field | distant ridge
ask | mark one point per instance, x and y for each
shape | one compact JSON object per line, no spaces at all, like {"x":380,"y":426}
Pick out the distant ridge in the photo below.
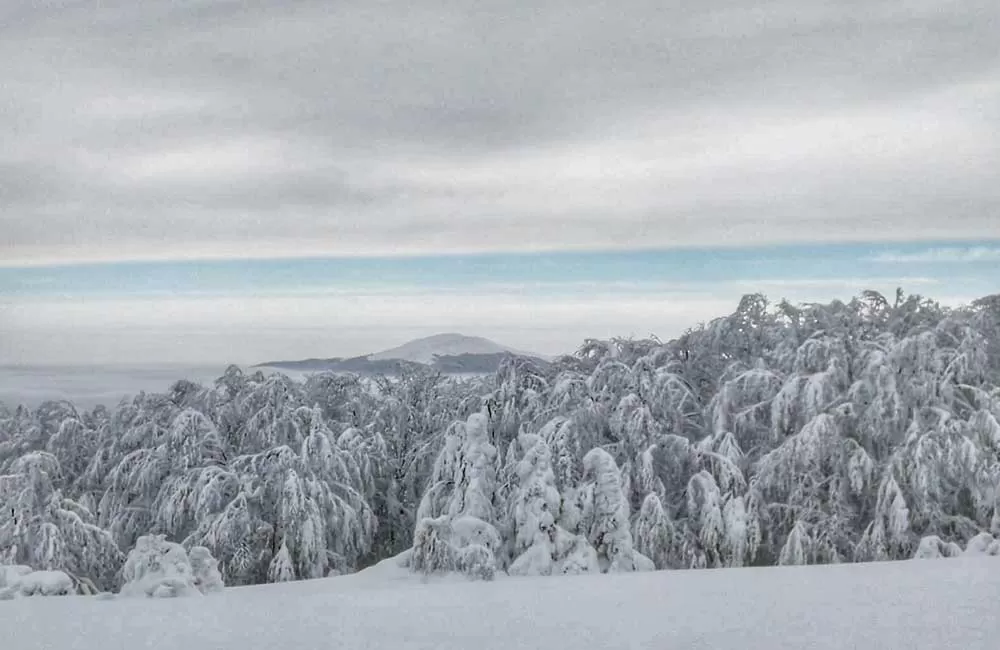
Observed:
{"x":449,"y":353}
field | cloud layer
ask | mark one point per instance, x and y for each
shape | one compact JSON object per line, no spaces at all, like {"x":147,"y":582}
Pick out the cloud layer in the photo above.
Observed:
{"x":950,"y":254}
{"x":147,"y":129}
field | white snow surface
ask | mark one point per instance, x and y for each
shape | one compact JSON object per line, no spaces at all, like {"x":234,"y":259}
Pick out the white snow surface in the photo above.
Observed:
{"x":892,"y":605}
{"x":424,"y":350}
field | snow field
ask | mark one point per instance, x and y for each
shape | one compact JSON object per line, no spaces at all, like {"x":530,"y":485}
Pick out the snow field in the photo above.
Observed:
{"x":940,"y":605}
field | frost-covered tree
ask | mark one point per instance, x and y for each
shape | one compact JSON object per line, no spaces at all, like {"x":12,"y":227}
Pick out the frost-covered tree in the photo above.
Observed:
{"x":41,"y":528}
{"x":540,"y":545}
{"x":535,"y":506}
{"x":281,"y":568}
{"x":705,"y":521}
{"x":743,"y":406}
{"x":888,"y":534}
{"x":655,"y":535}
{"x":849,"y":430}
{"x":605,"y":521}
{"x":459,"y":510}
{"x":521,"y":385}
{"x":794,"y":550}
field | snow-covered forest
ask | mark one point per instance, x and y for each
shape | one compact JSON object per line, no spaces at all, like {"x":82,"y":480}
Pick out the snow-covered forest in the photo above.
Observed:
{"x":779,"y":434}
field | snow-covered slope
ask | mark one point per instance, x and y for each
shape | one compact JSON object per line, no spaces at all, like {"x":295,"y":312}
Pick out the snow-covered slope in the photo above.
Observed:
{"x":424,"y":350}
{"x":915,"y":605}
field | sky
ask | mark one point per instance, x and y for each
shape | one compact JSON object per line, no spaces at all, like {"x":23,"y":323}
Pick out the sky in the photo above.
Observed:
{"x":228,"y":181}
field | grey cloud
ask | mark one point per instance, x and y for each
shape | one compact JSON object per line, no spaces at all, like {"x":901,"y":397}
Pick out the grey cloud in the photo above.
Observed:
{"x":361,"y":94}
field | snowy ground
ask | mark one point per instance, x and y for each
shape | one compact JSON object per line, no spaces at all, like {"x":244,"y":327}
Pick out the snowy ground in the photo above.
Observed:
{"x":933,"y":604}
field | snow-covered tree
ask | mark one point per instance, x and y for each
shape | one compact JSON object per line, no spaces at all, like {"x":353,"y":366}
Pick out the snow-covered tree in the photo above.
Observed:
{"x":705,"y":521}
{"x":458,"y":510}
{"x":777,"y":433}
{"x":536,"y":504}
{"x":541,"y":546}
{"x":281,"y":568}
{"x":794,"y":550}
{"x":41,"y":528}
{"x":655,"y":535}
{"x":606,"y":516}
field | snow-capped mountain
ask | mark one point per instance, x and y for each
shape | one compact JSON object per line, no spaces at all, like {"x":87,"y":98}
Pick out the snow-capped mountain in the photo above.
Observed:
{"x":425,"y":350}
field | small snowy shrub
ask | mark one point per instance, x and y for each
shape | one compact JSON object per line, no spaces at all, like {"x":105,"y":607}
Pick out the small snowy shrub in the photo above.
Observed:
{"x":468,"y":530}
{"x":20,"y":581}
{"x":982,"y":544}
{"x":933,"y":547}
{"x":432,"y":552}
{"x":474,"y":542}
{"x":11,"y":574}
{"x":157,"y":568}
{"x":476,"y":562}
{"x":46,"y":583}
{"x":536,"y":561}
{"x":577,"y":556}
{"x":206,"y":570}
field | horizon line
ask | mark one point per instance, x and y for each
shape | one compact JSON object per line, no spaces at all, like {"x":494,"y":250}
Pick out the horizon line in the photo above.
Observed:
{"x":481,"y":253}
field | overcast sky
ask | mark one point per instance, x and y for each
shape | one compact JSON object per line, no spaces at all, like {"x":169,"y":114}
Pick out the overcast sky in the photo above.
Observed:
{"x":188,"y":130}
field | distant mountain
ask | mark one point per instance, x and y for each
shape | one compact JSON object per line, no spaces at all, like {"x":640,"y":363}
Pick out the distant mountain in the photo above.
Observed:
{"x":425,"y":350}
{"x":359,"y":365}
{"x":452,"y":354}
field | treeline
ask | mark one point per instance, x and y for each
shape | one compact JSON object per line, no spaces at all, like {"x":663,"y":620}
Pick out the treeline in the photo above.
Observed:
{"x":777,"y":434}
